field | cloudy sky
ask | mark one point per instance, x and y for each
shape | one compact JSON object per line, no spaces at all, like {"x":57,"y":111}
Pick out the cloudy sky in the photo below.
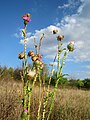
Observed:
{"x":70,"y":17}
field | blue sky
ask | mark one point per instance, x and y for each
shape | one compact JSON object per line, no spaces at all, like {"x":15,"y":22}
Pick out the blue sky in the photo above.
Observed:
{"x":70,"y":17}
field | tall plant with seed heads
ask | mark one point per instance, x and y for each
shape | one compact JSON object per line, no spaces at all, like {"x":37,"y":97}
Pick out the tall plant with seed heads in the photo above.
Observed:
{"x":33,"y":73}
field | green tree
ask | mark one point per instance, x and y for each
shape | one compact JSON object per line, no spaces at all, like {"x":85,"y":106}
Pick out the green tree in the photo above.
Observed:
{"x":16,"y":74}
{"x":80,"y":83}
{"x":87,"y":83}
{"x":11,"y":71}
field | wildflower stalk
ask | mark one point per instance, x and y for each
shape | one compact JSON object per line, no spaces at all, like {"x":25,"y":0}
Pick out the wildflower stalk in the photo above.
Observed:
{"x":40,"y":99}
{"x":40,"y":43}
{"x":29,"y":100}
{"x":57,"y":81}
{"x":23,"y":56}
{"x":47,"y":95}
{"x":40,"y":81}
{"x":51,"y":73}
{"x":63,"y":61}
{"x":59,"y":52}
{"x":37,"y":66}
{"x":25,"y":70}
{"x":29,"y":95}
{"x":46,"y":98}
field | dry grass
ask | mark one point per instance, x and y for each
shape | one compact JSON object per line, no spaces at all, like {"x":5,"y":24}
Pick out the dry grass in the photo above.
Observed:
{"x":70,"y":104}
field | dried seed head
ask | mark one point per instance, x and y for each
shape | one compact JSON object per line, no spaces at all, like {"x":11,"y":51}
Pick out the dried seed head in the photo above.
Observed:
{"x":34,"y":58}
{"x":60,"y":37}
{"x":30,"y":53}
{"x":55,"y":31}
{"x":21,"y":55}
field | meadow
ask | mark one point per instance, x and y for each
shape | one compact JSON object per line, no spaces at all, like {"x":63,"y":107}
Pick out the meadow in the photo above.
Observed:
{"x":70,"y":104}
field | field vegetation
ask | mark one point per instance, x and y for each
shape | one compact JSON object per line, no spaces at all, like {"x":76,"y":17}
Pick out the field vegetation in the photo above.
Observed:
{"x":72,"y":102}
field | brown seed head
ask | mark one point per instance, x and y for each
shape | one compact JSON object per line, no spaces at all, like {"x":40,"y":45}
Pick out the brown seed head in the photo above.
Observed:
{"x":34,"y":58}
{"x":21,"y":55}
{"x":60,"y":37}
{"x":30,"y":53}
{"x":55,"y":31}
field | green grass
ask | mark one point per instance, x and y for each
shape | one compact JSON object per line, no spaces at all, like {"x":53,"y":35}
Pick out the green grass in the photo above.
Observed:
{"x":70,"y":104}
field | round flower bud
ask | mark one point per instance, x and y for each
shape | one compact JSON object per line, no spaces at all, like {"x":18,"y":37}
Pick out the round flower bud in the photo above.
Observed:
{"x":30,"y":53}
{"x":34,"y":58}
{"x":70,"y":46}
{"x":55,"y":31}
{"x":26,"y":18}
{"x":60,"y":37}
{"x":21,"y":55}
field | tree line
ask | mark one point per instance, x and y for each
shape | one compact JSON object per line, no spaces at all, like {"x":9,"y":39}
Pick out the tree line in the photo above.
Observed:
{"x":14,"y":73}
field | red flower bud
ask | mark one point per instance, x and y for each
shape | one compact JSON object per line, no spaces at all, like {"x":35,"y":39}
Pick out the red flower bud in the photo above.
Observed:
{"x":26,"y":18}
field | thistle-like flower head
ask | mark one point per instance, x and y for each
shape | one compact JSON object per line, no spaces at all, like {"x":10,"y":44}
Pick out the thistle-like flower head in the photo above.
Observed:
{"x":21,"y":55}
{"x":26,"y":18}
{"x":25,"y":111}
{"x":55,"y":31}
{"x":34,"y":58}
{"x":60,"y":37}
{"x":30,"y":53}
{"x":70,"y":46}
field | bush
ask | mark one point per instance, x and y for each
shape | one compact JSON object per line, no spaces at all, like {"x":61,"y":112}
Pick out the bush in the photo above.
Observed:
{"x":87,"y":83}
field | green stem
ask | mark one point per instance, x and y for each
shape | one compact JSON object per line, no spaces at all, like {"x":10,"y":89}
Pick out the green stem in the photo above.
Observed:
{"x":51,"y":106}
{"x":29,"y":100}
{"x":59,"y":52}
{"x":63,"y":59}
{"x":29,"y":96}
{"x":24,"y":67}
{"x":40,"y":101}
{"x":47,"y":96}
{"x":40,"y":43}
{"x":52,"y":102}
{"x":25,"y":96}
{"x":56,"y":85}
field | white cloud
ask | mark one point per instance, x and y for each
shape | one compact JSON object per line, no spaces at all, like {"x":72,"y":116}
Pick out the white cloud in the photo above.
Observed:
{"x":16,"y":35}
{"x":77,"y":27}
{"x":64,"y":6}
{"x":79,"y":75}
{"x":49,"y":44}
{"x":87,"y":66}
{"x":80,"y":8}
{"x":85,"y":74}
{"x":54,"y":64}
{"x":71,"y":6}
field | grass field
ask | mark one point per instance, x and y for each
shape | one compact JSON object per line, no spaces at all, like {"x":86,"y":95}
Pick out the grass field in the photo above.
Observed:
{"x":70,"y":104}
